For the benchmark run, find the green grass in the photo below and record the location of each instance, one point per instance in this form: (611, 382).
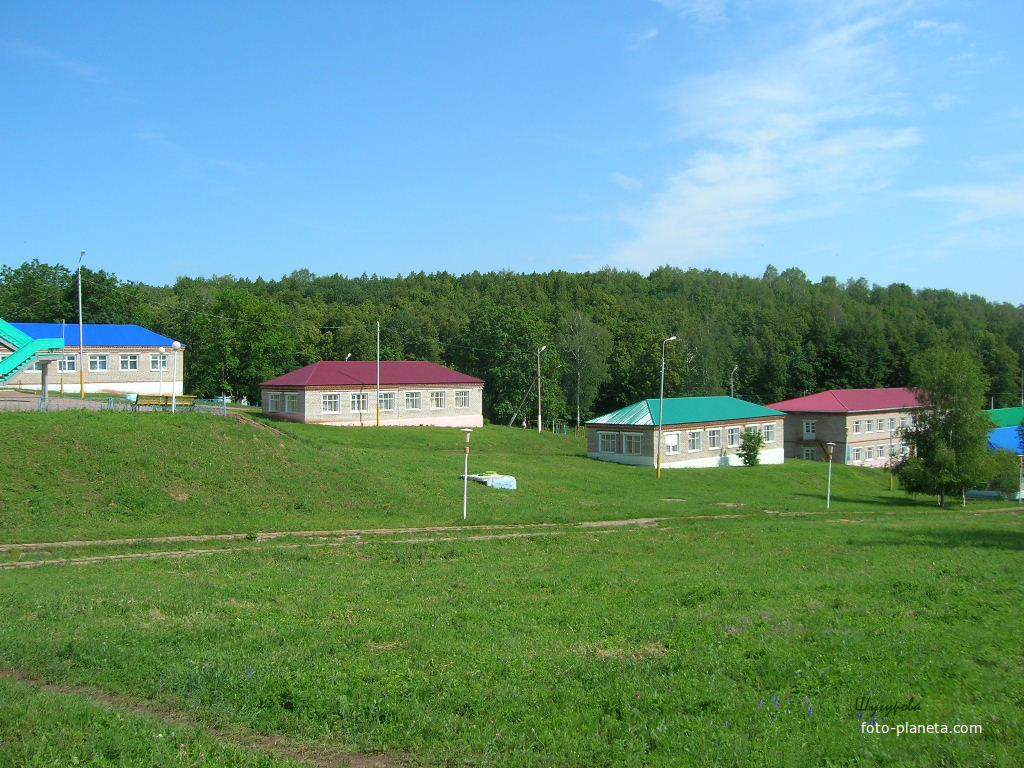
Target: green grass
(109, 475)
(634, 647)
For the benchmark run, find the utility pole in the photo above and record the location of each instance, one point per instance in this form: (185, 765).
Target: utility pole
(378, 373)
(661, 404)
(81, 333)
(540, 426)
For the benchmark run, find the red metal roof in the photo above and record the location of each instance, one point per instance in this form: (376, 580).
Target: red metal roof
(355, 373)
(851, 400)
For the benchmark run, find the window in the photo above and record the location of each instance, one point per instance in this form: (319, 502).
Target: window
(462, 398)
(437, 399)
(856, 427)
(412, 401)
(158, 362)
(330, 403)
(714, 438)
(291, 402)
(387, 401)
(892, 425)
(881, 452)
(811, 430)
(693, 442)
(856, 454)
(903, 422)
(69, 363)
(733, 435)
(97, 362)
(360, 402)
(606, 442)
(869, 425)
(631, 444)
(811, 454)
(768, 430)
(671, 443)
(870, 451)
(129, 362)
(273, 402)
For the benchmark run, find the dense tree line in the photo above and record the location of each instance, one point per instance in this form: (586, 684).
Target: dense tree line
(603, 330)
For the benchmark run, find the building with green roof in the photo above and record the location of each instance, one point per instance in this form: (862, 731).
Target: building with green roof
(1006, 417)
(697, 432)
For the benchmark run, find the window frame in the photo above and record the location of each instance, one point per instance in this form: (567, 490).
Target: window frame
(386, 397)
(602, 438)
(275, 402)
(767, 428)
(810, 429)
(714, 439)
(62, 365)
(672, 443)
(694, 437)
(438, 395)
(291, 398)
(462, 394)
(156, 364)
(631, 440)
(335, 402)
(357, 399)
(95, 359)
(411, 397)
(735, 431)
(126, 360)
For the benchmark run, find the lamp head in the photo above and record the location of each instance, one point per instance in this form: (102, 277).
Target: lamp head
(162, 350)
(542, 349)
(670, 338)
(467, 432)
(176, 345)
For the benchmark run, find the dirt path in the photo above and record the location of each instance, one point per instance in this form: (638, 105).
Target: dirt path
(303, 751)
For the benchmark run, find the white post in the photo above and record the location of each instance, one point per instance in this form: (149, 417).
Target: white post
(81, 332)
(828, 498)
(174, 373)
(465, 476)
(540, 425)
(378, 373)
(732, 389)
(661, 402)
(163, 351)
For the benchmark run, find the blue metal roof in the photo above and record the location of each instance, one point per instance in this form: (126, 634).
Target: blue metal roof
(1006, 438)
(96, 335)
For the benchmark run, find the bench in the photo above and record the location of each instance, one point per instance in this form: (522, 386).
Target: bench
(162, 401)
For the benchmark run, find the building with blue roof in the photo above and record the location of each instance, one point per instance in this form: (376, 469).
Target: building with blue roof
(697, 432)
(118, 359)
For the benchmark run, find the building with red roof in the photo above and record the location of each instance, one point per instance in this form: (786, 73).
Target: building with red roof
(352, 393)
(864, 424)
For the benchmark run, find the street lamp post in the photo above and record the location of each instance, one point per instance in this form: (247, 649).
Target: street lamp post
(661, 401)
(732, 389)
(174, 372)
(828, 498)
(81, 332)
(539, 422)
(163, 358)
(465, 475)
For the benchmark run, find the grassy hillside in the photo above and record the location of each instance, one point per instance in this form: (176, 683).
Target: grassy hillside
(107, 475)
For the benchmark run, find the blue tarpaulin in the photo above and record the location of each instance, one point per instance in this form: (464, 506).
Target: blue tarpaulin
(1007, 439)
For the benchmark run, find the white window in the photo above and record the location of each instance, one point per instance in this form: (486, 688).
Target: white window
(129, 362)
(360, 402)
(97, 362)
(811, 454)
(881, 451)
(607, 442)
(631, 443)
(903, 422)
(330, 402)
(412, 401)
(869, 425)
(693, 441)
(291, 402)
(856, 427)
(273, 402)
(811, 430)
(768, 430)
(158, 362)
(733, 435)
(892, 425)
(856, 454)
(671, 443)
(437, 399)
(714, 438)
(69, 363)
(462, 398)
(387, 401)
(870, 450)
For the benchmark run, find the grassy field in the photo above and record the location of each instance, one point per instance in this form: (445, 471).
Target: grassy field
(722, 635)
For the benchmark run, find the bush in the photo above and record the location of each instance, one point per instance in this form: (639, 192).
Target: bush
(750, 447)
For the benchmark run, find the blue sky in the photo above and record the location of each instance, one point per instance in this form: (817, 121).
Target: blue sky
(861, 138)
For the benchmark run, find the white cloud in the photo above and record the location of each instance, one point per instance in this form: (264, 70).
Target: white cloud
(627, 183)
(20, 49)
(640, 39)
(928, 26)
(980, 202)
(702, 10)
(777, 137)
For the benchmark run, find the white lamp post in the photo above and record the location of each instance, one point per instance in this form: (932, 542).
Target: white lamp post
(465, 474)
(174, 372)
(661, 400)
(732, 390)
(348, 356)
(163, 357)
(539, 422)
(828, 498)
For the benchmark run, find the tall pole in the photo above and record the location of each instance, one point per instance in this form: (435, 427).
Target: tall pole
(163, 351)
(174, 373)
(828, 498)
(378, 373)
(732, 389)
(465, 475)
(539, 422)
(661, 401)
(81, 332)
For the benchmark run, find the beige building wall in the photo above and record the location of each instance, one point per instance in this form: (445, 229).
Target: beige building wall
(357, 406)
(849, 431)
(676, 450)
(143, 380)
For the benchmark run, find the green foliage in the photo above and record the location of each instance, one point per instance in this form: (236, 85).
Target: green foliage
(750, 447)
(949, 441)
(1003, 471)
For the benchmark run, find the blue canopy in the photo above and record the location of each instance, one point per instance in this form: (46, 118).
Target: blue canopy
(1007, 439)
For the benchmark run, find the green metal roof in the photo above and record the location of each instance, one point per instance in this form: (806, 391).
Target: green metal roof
(1007, 417)
(685, 410)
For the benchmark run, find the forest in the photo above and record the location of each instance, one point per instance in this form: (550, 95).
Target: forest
(769, 338)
